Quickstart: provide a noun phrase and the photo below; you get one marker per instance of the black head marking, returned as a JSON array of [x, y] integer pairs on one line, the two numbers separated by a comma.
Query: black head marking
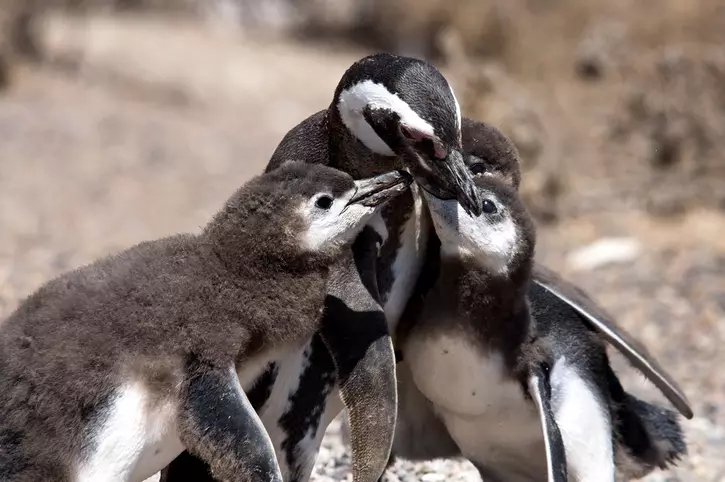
[[415, 82], [402, 107], [488, 151], [428, 93]]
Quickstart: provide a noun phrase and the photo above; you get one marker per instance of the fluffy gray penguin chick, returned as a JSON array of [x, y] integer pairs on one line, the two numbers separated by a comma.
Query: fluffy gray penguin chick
[[108, 372], [387, 112], [520, 387]]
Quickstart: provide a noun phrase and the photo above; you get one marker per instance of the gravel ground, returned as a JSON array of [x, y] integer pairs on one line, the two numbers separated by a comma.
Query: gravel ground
[[94, 161]]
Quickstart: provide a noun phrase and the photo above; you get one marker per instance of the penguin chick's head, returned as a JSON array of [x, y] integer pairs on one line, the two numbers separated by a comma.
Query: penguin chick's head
[[404, 107], [298, 214], [490, 153], [501, 240]]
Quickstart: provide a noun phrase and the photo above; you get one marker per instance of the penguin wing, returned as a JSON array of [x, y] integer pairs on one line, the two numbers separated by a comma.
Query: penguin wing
[[540, 390], [362, 352], [597, 319], [355, 333]]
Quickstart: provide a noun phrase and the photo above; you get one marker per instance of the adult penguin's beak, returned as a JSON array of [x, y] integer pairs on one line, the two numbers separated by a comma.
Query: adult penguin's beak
[[355, 332], [374, 191], [446, 178], [436, 165]]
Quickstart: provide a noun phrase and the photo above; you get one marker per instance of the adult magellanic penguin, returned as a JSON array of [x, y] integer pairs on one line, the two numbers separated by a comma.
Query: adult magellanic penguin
[[373, 95], [524, 389], [387, 112], [108, 372]]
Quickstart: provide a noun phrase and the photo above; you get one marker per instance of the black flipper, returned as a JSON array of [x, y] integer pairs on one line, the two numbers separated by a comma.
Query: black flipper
[[355, 331], [600, 321], [218, 424], [555, 451], [188, 467]]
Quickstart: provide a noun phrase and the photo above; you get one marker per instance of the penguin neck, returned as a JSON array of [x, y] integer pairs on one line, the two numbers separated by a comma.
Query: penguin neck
[[349, 154], [406, 218], [248, 249], [482, 295]]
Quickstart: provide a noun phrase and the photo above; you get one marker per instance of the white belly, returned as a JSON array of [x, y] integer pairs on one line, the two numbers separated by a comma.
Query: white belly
[[290, 369], [484, 410], [137, 439], [408, 260]]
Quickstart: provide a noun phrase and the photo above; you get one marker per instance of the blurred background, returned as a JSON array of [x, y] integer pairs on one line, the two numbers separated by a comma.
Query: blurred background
[[126, 120]]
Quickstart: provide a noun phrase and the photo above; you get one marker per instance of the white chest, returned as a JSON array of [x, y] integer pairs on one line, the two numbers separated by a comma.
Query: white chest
[[409, 259], [137, 439], [484, 410]]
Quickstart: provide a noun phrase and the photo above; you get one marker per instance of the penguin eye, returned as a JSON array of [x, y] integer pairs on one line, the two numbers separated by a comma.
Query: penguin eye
[[324, 202], [478, 168], [488, 207], [407, 133]]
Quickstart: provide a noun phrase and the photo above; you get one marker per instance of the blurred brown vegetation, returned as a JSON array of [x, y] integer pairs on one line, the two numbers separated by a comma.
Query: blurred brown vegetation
[[612, 103]]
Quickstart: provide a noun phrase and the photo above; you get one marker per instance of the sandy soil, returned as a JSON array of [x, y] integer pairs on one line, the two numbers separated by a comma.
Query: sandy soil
[[115, 142]]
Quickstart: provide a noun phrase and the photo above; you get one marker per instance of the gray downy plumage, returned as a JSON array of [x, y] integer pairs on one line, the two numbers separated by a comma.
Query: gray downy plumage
[[108, 372], [521, 386], [489, 152], [322, 138], [387, 112], [648, 436]]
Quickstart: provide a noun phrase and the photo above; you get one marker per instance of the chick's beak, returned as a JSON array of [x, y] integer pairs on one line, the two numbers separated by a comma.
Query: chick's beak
[[377, 190], [448, 178]]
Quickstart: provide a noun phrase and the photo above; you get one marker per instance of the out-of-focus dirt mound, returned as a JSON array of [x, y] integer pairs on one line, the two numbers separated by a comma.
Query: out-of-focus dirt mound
[[612, 105], [652, 137], [671, 126]]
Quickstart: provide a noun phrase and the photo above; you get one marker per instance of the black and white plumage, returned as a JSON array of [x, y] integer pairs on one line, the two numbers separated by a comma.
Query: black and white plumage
[[420, 434], [490, 153], [405, 231], [108, 372], [388, 112], [523, 389]]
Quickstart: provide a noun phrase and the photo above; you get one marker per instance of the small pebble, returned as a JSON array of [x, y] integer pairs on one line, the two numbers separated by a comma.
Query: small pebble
[[603, 252]]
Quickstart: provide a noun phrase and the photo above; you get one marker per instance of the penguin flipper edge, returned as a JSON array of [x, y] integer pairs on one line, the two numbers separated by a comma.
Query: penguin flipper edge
[[600, 321], [218, 424], [555, 450], [364, 362]]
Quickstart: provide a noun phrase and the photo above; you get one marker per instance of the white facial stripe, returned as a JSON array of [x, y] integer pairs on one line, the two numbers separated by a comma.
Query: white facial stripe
[[334, 225], [367, 93], [492, 244], [458, 112]]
